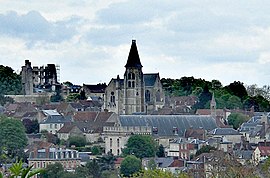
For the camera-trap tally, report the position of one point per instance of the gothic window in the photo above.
(147, 96)
(158, 99)
(129, 84)
(132, 76)
(112, 97)
(133, 84)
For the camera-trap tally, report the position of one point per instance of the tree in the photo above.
(204, 98)
(106, 162)
(237, 89)
(78, 141)
(10, 82)
(141, 146)
(130, 165)
(158, 173)
(234, 102)
(236, 119)
(96, 150)
(53, 171)
(93, 168)
(17, 170)
(73, 97)
(161, 151)
(205, 149)
(13, 137)
(5, 99)
(31, 126)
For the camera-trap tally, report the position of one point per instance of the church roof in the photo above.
(133, 57)
(150, 79)
(166, 123)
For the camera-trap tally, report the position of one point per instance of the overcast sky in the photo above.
(227, 40)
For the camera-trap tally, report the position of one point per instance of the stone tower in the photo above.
(213, 106)
(27, 78)
(133, 83)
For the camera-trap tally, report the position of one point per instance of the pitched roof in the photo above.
(99, 88)
(55, 119)
(150, 79)
(224, 131)
(133, 57)
(265, 150)
(66, 128)
(166, 123)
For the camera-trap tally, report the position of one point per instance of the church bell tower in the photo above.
(133, 83)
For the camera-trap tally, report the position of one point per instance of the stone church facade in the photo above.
(137, 92)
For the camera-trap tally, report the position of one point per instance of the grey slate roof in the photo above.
(150, 79)
(224, 131)
(55, 119)
(166, 123)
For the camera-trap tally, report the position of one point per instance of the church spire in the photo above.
(133, 57)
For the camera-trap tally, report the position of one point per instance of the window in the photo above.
(147, 96)
(55, 126)
(133, 84)
(110, 142)
(118, 152)
(118, 142)
(50, 126)
(158, 99)
(131, 76)
(129, 84)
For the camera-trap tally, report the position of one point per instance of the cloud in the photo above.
(33, 27)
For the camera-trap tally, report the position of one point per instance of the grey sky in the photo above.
(226, 40)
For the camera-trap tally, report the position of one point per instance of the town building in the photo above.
(137, 92)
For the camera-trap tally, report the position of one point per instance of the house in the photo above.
(69, 130)
(41, 158)
(95, 90)
(260, 154)
(182, 104)
(227, 134)
(171, 164)
(92, 123)
(184, 148)
(53, 123)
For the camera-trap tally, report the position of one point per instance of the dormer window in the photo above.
(175, 130)
(155, 130)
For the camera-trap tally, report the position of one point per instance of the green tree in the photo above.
(236, 119)
(141, 146)
(234, 102)
(78, 141)
(31, 126)
(53, 171)
(161, 151)
(93, 168)
(96, 150)
(13, 137)
(158, 173)
(73, 97)
(237, 89)
(205, 149)
(5, 99)
(10, 82)
(17, 171)
(130, 165)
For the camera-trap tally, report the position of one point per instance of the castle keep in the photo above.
(137, 92)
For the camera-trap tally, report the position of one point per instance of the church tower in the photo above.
(133, 83)
(213, 106)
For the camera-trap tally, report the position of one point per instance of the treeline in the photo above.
(233, 96)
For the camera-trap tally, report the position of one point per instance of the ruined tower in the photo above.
(133, 83)
(27, 78)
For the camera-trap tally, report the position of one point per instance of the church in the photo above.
(137, 93)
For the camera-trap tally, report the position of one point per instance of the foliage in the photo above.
(204, 149)
(96, 150)
(204, 97)
(157, 173)
(78, 141)
(236, 119)
(5, 99)
(10, 82)
(106, 162)
(161, 151)
(141, 146)
(31, 126)
(73, 97)
(13, 137)
(17, 171)
(53, 171)
(151, 164)
(93, 168)
(130, 165)
(237, 89)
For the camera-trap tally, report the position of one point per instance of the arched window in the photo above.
(133, 84)
(147, 96)
(129, 84)
(112, 97)
(129, 75)
(158, 99)
(132, 76)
